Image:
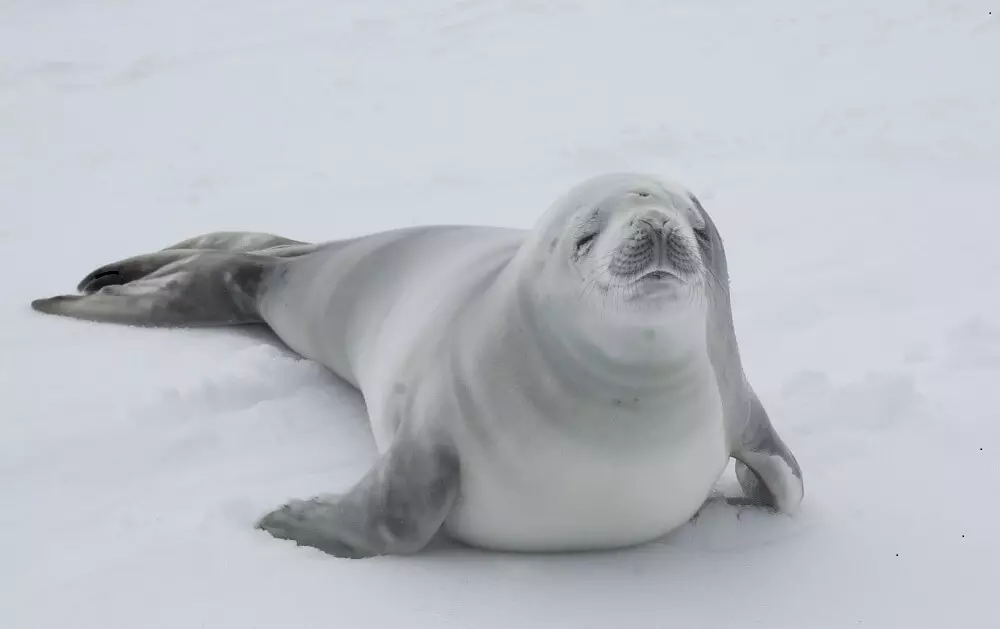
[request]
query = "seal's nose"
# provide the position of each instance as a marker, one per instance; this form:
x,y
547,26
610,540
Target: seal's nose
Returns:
x,y
655,219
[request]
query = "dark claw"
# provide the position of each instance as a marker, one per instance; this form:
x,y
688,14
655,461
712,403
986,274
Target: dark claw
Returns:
x,y
743,503
98,280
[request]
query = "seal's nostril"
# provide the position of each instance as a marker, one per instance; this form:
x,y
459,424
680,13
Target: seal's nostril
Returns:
x,y
656,222
654,217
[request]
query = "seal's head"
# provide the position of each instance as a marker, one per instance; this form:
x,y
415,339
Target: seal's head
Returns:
x,y
623,271
634,245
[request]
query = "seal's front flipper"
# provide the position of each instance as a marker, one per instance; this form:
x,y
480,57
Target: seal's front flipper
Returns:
x,y
396,508
765,467
197,289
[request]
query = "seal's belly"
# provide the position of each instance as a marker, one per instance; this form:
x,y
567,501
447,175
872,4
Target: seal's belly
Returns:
x,y
557,496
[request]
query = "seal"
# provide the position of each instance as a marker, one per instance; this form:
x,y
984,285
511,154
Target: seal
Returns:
x,y
575,386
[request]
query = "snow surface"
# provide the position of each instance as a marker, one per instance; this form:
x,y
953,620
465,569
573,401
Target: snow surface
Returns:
x,y
848,149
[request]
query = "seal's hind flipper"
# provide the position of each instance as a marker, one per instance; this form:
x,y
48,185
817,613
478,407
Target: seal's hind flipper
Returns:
x,y
130,269
137,267
236,242
206,288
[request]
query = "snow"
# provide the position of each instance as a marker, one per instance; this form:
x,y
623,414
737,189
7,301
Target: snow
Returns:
x,y
848,150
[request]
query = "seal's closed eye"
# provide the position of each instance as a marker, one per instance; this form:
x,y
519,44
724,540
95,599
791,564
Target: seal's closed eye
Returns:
x,y
584,244
600,416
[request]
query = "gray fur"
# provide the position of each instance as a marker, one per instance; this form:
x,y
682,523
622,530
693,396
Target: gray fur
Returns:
x,y
761,477
396,508
752,438
236,242
198,288
138,267
227,278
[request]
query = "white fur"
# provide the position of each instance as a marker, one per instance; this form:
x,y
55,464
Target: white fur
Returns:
x,y
527,486
581,421
637,448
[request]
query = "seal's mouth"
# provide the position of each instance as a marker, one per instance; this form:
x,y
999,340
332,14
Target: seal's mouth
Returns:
x,y
655,284
658,276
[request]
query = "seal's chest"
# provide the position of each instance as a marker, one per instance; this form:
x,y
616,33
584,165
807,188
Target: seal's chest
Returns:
x,y
552,493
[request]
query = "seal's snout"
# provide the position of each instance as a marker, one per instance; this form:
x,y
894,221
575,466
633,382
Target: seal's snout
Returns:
x,y
655,246
658,231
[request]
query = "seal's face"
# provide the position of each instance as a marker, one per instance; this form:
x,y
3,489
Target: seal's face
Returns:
x,y
638,246
633,244
623,270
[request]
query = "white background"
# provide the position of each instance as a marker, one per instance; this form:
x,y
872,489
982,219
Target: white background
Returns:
x,y
848,149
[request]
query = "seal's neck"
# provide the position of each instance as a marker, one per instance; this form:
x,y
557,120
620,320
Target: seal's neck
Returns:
x,y
598,349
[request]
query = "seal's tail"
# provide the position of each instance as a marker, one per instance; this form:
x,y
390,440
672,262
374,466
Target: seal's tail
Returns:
x,y
179,288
